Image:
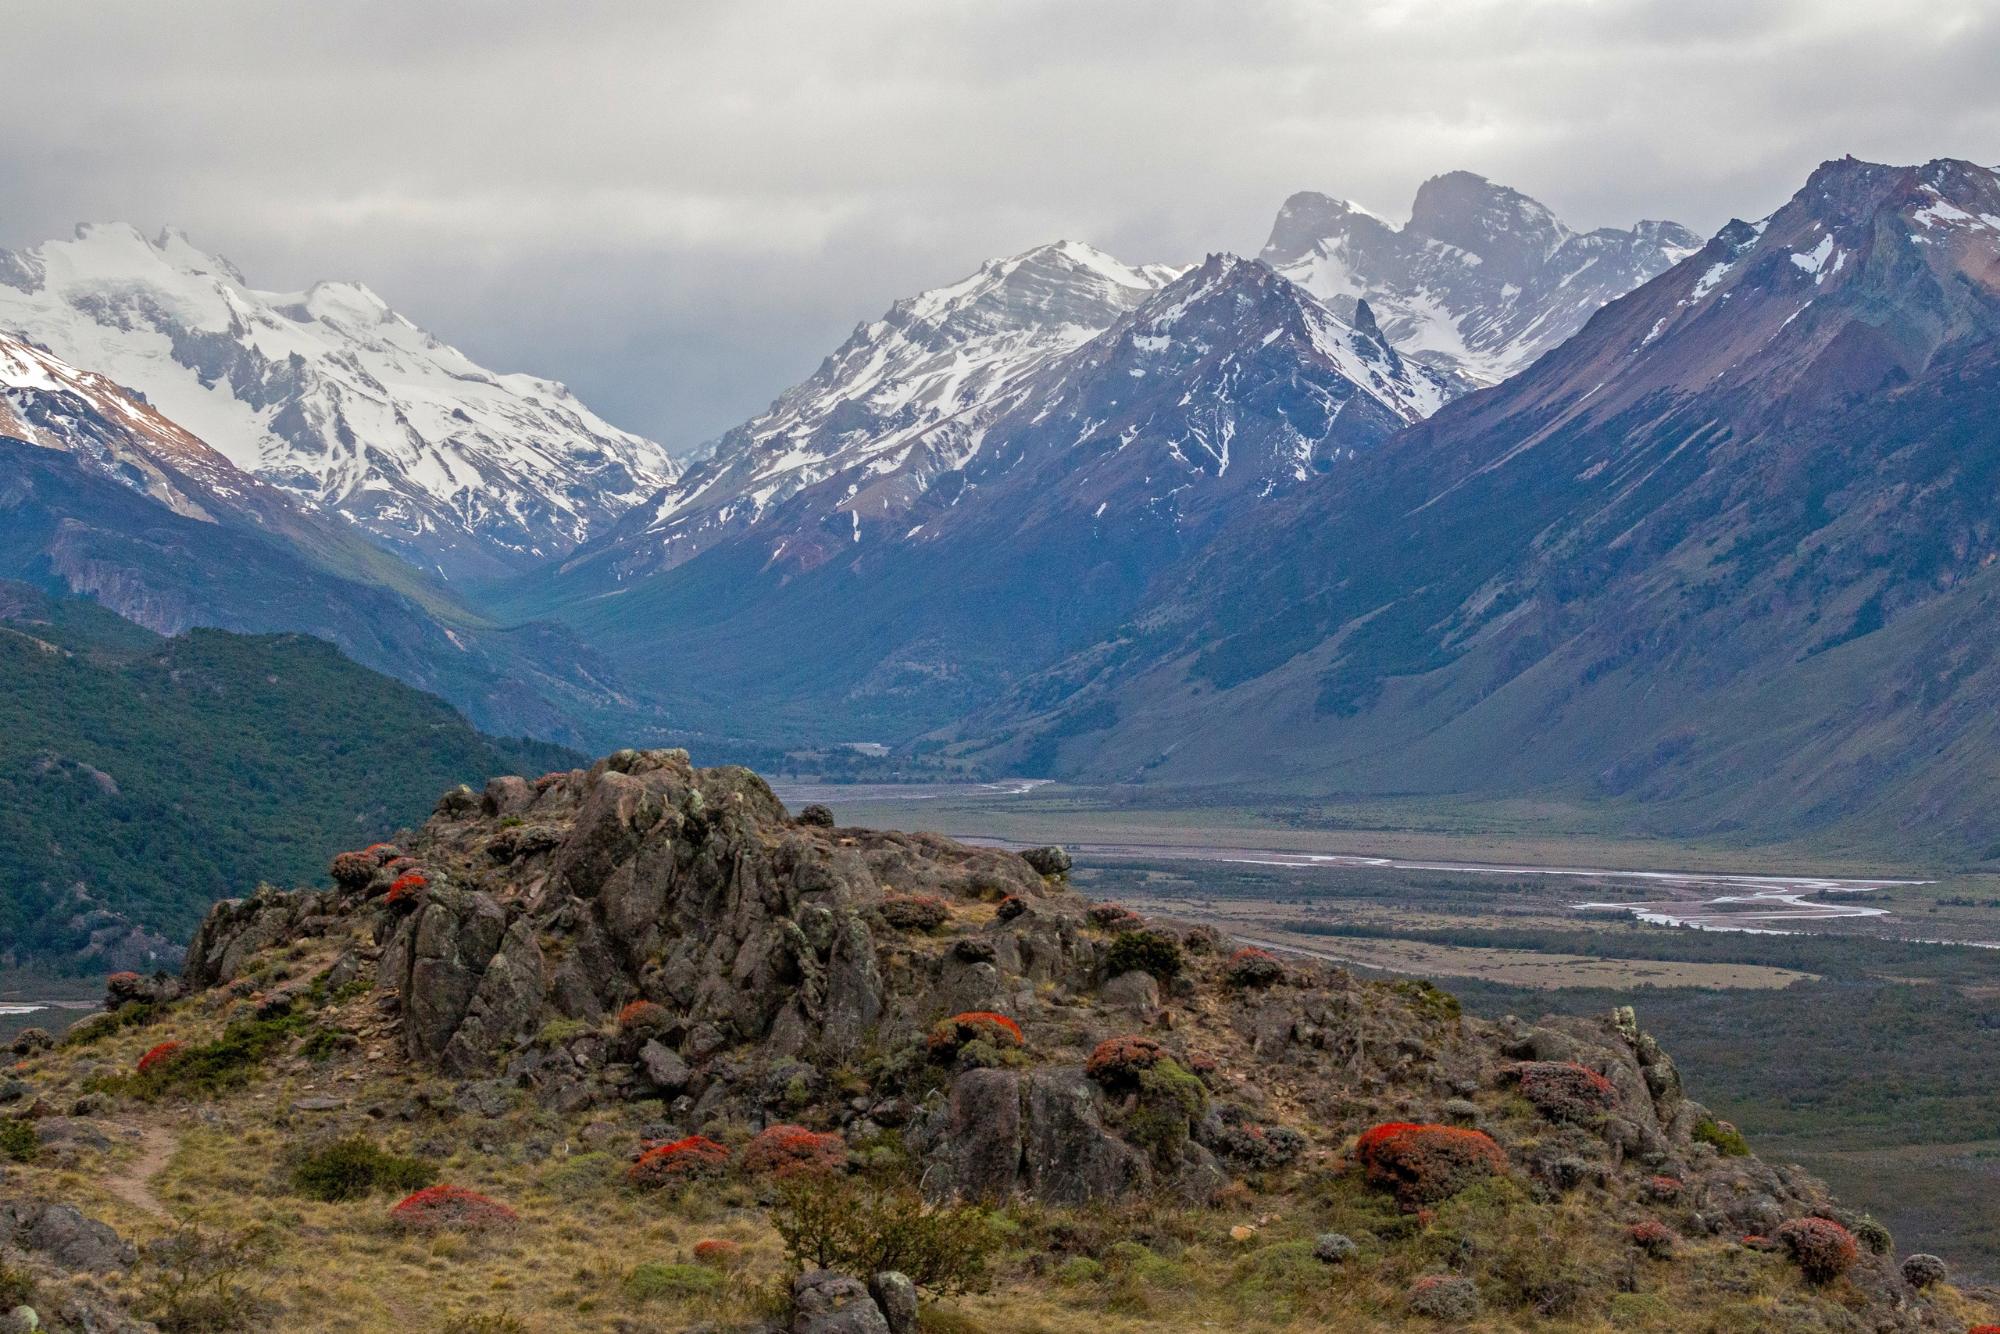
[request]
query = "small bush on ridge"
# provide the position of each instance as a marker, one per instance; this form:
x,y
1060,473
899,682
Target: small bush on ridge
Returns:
x,y
1822,1248
837,1222
1153,952
786,1150
689,1159
1423,1164
441,1208
354,1168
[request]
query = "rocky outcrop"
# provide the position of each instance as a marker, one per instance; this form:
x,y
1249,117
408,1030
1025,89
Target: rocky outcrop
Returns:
x,y
647,930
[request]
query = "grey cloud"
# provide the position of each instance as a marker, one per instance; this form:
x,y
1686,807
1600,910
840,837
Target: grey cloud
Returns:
x,y
679,208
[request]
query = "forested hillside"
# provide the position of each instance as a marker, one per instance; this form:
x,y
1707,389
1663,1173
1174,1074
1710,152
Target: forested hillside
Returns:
x,y
141,778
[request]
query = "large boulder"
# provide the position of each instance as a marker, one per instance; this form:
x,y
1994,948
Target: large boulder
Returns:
x,y
64,1237
824,1302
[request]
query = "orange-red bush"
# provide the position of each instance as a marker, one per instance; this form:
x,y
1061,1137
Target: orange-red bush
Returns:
x,y
406,886
1252,967
786,1151
915,912
1118,1062
679,1160
1564,1090
1423,1164
436,1208
717,1254
1115,916
948,1035
159,1056
1653,1237
1822,1248
642,1014
1663,1188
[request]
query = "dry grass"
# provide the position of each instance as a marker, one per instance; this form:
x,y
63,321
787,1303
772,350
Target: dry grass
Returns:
x,y
568,1264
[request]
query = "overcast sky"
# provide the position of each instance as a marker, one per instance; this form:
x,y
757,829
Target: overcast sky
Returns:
x,y
678,208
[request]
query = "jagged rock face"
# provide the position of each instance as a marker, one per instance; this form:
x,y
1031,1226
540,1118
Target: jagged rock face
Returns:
x,y
778,990
1480,282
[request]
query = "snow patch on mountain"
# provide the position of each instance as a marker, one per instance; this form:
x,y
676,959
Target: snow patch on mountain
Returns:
x,y
1480,282
336,398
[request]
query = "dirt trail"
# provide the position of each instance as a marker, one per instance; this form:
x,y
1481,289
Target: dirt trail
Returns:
x,y
132,1181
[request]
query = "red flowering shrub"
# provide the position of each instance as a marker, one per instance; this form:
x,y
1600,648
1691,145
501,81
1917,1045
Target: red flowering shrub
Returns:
x,y
406,887
437,1208
642,1016
1114,917
159,1056
787,1151
1564,1090
1663,1189
1423,1164
1252,967
1822,1248
1653,1237
948,1035
915,912
718,1254
679,1160
1984,1329
1118,1062
1009,908
122,979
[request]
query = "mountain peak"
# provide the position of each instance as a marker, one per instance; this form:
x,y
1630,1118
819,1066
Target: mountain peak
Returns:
x,y
1500,225
332,396
1479,283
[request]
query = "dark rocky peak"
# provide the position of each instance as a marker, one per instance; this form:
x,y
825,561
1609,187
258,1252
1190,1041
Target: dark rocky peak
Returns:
x,y
1502,226
1309,220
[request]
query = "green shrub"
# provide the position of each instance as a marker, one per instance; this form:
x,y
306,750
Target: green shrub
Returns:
x,y
1171,1100
18,1142
355,1168
221,1064
830,1221
1153,952
1078,1270
93,1027
322,1044
17,1287
650,1281
1727,1139
1429,1001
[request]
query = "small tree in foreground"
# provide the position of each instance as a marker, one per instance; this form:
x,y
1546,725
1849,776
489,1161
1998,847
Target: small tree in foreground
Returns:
x,y
836,1222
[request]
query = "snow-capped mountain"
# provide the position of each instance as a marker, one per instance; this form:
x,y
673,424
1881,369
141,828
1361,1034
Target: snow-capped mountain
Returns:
x,y
898,401
900,587
47,402
331,395
1480,282
1729,551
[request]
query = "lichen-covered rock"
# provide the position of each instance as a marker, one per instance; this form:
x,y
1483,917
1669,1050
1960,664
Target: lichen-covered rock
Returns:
x,y
64,1237
1049,861
897,1296
824,1302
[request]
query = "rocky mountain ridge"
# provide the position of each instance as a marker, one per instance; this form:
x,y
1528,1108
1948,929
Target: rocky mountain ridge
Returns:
x,y
1640,570
1479,283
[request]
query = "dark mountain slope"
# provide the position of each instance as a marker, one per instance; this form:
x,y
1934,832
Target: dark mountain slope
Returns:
x,y
142,778
1723,553
852,609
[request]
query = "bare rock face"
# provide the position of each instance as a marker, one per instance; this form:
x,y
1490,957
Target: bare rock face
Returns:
x,y
66,1238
